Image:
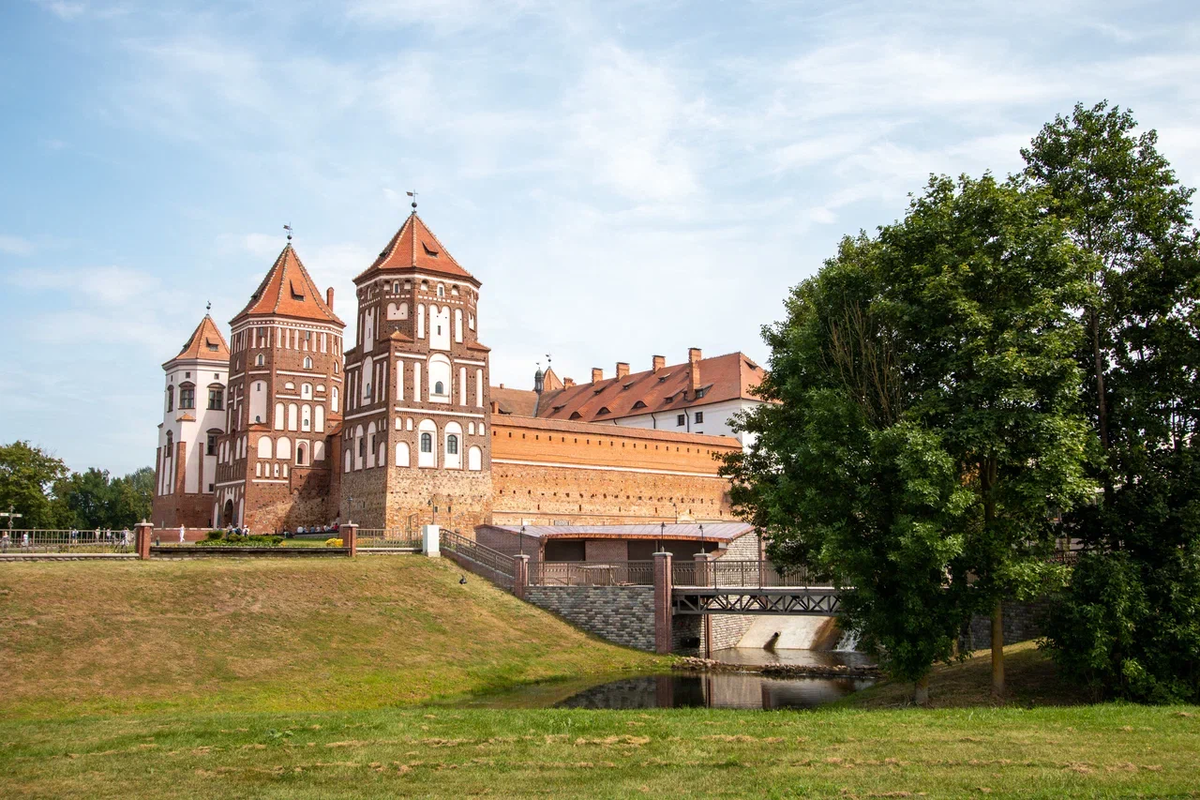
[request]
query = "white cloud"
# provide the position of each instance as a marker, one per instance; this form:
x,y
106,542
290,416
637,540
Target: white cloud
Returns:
x,y
15,245
63,10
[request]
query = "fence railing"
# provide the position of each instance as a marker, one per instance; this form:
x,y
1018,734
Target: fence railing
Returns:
x,y
455,544
592,573
386,538
18,542
732,574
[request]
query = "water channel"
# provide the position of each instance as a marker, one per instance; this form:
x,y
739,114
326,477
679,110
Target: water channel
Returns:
x,y
744,690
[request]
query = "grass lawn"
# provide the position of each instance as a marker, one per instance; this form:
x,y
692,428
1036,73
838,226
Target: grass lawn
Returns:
x,y
297,679
1097,751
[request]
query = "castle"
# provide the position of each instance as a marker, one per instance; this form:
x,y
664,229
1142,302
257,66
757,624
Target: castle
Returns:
x,y
403,428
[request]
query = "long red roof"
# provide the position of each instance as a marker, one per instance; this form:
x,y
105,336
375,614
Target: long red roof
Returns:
x,y
288,291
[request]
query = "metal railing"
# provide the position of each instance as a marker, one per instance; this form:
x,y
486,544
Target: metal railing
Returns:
x,y
734,574
386,538
592,573
454,543
29,542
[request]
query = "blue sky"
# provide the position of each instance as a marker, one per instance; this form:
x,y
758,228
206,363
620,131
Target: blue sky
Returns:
x,y
626,178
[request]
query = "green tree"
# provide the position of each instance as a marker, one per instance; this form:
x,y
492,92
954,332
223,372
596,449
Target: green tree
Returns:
x,y
924,424
134,497
27,478
1130,620
90,497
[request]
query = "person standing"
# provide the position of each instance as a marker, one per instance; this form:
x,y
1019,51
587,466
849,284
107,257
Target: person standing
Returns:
x,y
181,534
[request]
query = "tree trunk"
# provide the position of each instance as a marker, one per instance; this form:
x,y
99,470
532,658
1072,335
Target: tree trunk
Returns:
x,y
921,691
998,652
1098,357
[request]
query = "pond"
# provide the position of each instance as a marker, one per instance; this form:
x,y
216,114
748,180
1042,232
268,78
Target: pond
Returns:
x,y
744,690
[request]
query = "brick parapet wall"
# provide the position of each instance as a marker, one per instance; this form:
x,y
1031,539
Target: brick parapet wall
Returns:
x,y
623,615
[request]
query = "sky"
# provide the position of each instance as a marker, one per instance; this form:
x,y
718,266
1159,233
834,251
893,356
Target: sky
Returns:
x,y
626,178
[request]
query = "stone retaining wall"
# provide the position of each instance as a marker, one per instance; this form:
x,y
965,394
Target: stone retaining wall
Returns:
x,y
1021,624
623,615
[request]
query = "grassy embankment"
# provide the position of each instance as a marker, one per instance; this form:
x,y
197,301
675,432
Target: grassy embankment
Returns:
x,y
253,635
235,679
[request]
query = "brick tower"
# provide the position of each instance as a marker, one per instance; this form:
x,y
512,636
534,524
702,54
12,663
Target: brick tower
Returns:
x,y
415,443
285,389
193,422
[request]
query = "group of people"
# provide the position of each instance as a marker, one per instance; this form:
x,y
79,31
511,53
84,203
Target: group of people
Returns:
x,y
301,529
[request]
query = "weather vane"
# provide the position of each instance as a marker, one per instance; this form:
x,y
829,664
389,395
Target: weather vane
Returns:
x,y
288,228
548,361
413,195
208,306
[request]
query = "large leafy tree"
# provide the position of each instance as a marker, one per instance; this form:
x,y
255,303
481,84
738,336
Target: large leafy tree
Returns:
x,y
1131,624
923,427
27,478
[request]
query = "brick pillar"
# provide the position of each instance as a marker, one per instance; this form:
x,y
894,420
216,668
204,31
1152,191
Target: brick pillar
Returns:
x,y
141,536
662,603
520,575
349,533
704,569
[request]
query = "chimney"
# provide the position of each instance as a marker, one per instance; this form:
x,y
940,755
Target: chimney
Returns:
x,y
568,383
694,356
329,298
495,407
659,362
622,369
597,374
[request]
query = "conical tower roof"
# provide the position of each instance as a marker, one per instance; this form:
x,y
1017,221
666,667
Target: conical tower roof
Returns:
x,y
414,247
288,291
205,344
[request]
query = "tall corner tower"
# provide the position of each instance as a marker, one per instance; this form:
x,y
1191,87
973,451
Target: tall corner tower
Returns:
x,y
192,425
285,404
416,439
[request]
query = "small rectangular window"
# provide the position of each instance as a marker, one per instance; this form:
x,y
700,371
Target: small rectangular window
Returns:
x,y
681,420
211,446
699,417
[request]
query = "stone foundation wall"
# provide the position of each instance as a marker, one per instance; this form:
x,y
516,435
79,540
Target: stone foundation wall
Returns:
x,y
188,510
303,500
623,615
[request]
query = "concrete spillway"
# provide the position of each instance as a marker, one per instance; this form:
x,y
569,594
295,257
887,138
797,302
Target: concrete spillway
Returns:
x,y
794,633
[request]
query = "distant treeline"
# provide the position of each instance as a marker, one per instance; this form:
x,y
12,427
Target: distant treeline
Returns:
x,y
47,494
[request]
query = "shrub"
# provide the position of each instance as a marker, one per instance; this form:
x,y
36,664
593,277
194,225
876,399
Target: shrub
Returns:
x,y
333,543
214,535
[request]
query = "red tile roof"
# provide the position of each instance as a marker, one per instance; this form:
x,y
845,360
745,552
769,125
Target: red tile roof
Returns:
x,y
288,291
728,377
522,402
205,344
415,247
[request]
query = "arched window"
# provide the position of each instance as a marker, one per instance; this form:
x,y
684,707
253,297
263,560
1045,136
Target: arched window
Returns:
x,y
264,447
395,287
441,290
259,360
307,362
300,454
170,444
427,437
279,418
336,368
474,459
306,417
439,388
346,462
187,396
306,390
170,398
318,450
283,448
453,454
402,454
333,398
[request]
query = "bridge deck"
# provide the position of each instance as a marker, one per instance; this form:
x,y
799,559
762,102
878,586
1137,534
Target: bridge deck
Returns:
x,y
811,600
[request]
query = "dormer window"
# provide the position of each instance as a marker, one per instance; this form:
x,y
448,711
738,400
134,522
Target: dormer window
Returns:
x,y
576,415
603,410
639,404
429,251
296,293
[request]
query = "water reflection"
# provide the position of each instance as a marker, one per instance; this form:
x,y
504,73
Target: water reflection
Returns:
x,y
714,690
820,658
